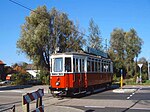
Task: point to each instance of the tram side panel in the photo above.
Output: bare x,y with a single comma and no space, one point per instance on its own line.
62,82
79,80
98,78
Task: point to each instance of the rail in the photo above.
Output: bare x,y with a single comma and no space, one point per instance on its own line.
8,108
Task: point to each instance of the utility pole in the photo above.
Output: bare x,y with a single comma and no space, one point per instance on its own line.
148,70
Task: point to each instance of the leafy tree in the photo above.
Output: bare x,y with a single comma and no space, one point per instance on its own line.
45,31
124,47
95,40
116,50
132,48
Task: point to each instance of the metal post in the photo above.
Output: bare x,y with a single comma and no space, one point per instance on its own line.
148,70
140,66
13,108
140,77
121,80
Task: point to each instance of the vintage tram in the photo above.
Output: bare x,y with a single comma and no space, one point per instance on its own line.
79,72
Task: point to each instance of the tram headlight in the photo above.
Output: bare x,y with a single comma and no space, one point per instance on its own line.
57,83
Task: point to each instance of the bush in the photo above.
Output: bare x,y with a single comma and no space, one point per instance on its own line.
21,79
44,77
130,81
147,82
115,78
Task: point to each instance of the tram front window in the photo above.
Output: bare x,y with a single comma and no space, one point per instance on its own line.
58,64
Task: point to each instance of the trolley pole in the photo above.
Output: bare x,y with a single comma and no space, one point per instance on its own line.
121,79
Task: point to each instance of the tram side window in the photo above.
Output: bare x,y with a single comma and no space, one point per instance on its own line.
68,64
58,64
82,65
109,67
76,65
98,66
102,66
88,66
92,65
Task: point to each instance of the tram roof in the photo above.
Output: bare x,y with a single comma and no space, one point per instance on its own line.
78,53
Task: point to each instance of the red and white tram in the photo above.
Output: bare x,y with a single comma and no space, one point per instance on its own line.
74,73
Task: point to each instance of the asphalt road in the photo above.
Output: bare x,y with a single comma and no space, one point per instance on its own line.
108,101
103,101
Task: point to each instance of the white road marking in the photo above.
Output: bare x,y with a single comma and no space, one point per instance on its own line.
94,106
128,98
133,93
141,108
14,91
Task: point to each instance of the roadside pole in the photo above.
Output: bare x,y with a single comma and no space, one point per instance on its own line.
140,66
121,79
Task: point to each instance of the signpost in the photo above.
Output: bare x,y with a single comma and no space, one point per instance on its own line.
140,66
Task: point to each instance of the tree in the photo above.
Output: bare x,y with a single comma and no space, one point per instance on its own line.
116,49
45,31
95,40
132,48
124,47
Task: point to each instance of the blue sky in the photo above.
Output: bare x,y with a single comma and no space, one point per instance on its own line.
107,14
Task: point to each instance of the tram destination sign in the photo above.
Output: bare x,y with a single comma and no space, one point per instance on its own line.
96,52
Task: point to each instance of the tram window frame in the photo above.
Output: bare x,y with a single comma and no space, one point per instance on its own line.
98,65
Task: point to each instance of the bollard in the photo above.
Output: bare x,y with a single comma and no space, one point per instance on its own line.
121,80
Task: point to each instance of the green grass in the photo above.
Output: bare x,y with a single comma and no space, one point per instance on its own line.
132,82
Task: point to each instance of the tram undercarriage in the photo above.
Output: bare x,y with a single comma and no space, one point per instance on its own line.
56,92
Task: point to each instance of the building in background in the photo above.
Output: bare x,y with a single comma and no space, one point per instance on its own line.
33,70
2,70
